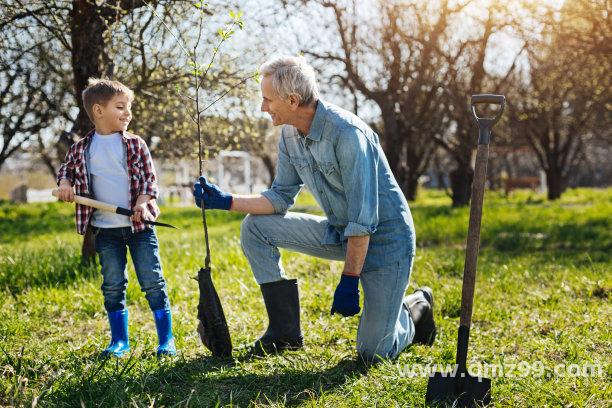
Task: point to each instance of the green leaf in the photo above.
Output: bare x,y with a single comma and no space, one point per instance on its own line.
198,5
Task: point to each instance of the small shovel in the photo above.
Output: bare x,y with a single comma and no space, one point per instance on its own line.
459,388
100,205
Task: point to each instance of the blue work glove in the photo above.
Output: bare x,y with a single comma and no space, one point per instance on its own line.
214,198
346,296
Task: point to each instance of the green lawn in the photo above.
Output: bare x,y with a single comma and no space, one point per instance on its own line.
542,300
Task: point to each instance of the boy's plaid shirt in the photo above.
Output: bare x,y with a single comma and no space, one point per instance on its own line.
140,169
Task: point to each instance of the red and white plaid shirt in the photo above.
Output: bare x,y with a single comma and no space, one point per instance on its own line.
140,169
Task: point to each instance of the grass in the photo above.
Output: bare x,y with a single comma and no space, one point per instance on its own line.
543,298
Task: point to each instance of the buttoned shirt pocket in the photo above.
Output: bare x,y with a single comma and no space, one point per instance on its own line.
331,174
299,163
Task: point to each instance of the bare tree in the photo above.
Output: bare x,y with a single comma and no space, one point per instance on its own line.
28,98
116,39
20,89
566,90
418,62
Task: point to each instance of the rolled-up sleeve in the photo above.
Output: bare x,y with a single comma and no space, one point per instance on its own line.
149,180
358,161
286,184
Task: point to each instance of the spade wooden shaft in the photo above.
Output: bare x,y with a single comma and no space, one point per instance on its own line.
100,205
473,238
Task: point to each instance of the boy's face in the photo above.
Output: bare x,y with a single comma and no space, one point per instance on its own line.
115,115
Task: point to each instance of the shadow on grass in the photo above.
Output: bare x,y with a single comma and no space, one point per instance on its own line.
205,381
592,236
20,222
59,267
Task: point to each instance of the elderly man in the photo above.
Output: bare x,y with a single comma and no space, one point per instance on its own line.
368,224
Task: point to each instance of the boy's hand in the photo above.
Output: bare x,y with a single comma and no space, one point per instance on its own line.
65,191
141,213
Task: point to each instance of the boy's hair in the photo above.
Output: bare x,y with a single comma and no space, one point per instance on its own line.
100,91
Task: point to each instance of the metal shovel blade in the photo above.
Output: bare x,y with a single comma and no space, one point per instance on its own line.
212,327
458,390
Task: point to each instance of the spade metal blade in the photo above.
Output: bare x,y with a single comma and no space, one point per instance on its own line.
458,389
212,327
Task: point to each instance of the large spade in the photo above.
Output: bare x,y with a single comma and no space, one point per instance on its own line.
459,388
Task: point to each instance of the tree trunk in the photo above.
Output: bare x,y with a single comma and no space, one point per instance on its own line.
270,167
410,187
461,184
86,28
555,184
397,168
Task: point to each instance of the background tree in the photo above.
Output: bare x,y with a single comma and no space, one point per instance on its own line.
28,98
418,62
563,99
119,40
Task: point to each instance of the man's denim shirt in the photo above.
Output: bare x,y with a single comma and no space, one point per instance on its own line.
342,163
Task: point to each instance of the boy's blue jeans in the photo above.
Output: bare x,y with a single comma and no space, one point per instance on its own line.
385,326
111,246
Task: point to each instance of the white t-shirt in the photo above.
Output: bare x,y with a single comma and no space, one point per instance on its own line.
109,178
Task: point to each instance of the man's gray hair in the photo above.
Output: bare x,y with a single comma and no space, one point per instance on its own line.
292,75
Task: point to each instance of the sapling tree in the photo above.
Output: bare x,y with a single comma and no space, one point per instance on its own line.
199,68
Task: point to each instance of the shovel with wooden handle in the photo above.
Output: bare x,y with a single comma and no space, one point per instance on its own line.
100,205
459,388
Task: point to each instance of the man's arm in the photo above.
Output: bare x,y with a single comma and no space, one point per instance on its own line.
356,251
276,200
358,167
346,296
251,204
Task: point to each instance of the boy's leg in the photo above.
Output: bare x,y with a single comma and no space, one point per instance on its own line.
144,250
111,250
262,235
385,327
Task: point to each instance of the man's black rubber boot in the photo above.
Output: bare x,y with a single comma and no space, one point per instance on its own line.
283,306
420,305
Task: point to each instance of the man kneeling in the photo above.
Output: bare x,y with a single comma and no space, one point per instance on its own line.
368,223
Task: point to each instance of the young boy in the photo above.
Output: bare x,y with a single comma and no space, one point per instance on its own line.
115,166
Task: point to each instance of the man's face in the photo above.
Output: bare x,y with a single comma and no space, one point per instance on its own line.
279,110
116,114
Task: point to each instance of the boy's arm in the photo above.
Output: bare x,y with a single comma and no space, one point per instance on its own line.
141,212
149,181
65,177
148,188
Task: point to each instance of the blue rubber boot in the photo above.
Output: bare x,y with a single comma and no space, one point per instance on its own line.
120,344
163,322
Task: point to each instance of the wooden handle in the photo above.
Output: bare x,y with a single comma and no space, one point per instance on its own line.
473,239
90,203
